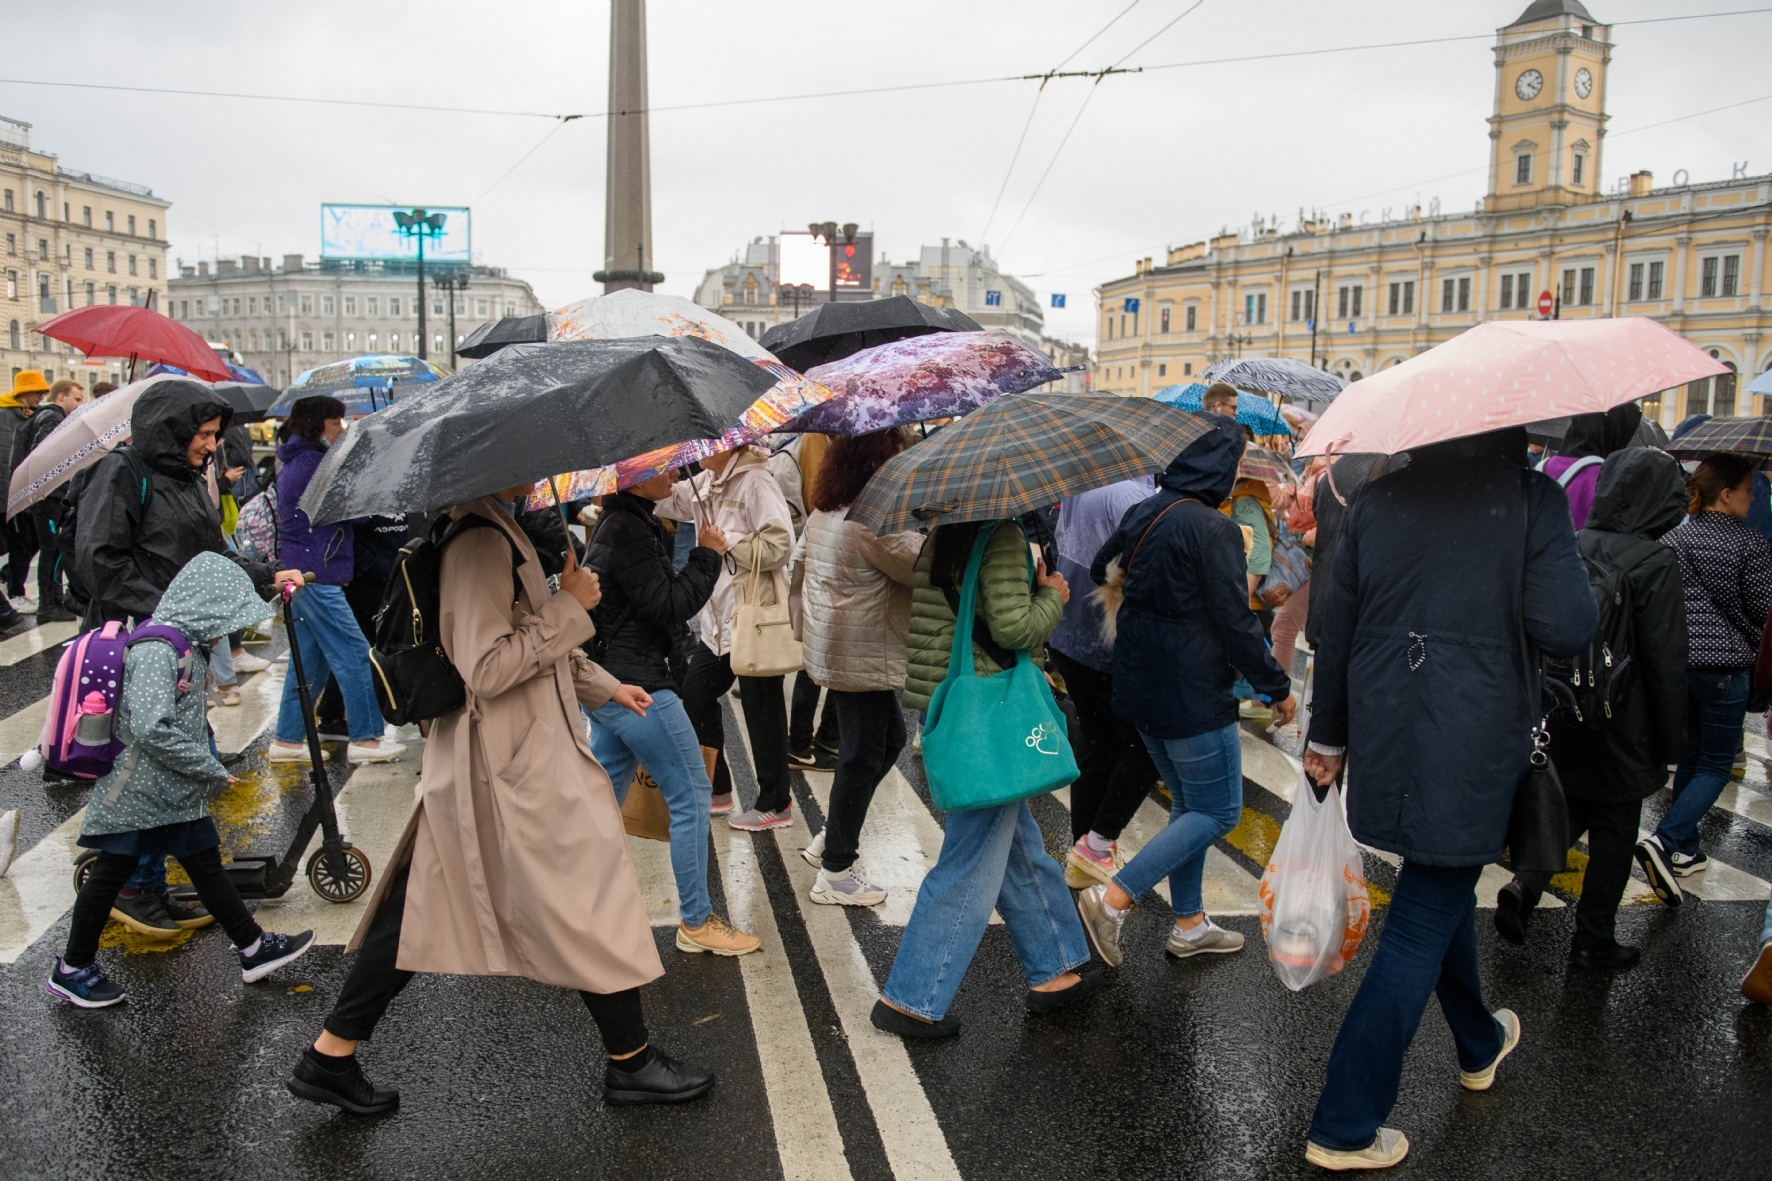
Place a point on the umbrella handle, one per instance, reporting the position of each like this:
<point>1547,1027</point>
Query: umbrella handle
<point>554,486</point>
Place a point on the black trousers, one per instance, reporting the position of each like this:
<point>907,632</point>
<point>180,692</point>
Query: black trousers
<point>803,710</point>
<point>21,546</point>
<point>375,981</point>
<point>93,906</point>
<point>871,726</point>
<point>1611,836</point>
<point>46,517</point>
<point>765,720</point>
<point>1115,772</point>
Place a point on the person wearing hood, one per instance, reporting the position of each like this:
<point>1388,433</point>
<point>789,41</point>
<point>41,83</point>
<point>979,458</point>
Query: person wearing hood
<point>331,641</point>
<point>1607,772</point>
<point>1444,571</point>
<point>1183,632</point>
<point>1115,771</point>
<point>16,407</point>
<point>155,801</point>
<point>1589,440</point>
<point>50,514</point>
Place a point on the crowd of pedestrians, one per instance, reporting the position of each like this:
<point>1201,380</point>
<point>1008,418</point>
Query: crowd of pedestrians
<point>1451,590</point>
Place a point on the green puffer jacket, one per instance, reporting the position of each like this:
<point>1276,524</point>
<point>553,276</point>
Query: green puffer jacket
<point>1018,616</point>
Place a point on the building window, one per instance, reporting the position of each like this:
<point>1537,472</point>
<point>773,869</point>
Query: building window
<point>480,310</point>
<point>437,310</point>
<point>510,309</point>
<point>153,230</point>
<point>236,307</point>
<point>1163,314</point>
<point>1523,168</point>
<point>12,329</point>
<point>351,309</point>
<point>1507,292</point>
<point>1187,368</point>
<point>437,343</point>
<point>1657,271</point>
<point>393,342</point>
<point>1191,318</point>
<point>350,340</point>
<point>88,255</point>
<point>394,306</point>
<point>6,203</point>
<point>307,342</point>
<point>153,268</point>
<point>110,222</point>
<point>326,341</point>
<point>326,306</point>
<point>132,264</point>
<point>371,306</point>
<point>135,297</point>
<point>1402,298</point>
<point>86,216</point>
<point>111,293</point>
<point>43,249</point>
<point>252,340</point>
<point>184,306</point>
<point>1707,281</point>
<point>1162,369</point>
<point>1731,284</point>
<point>1576,171</point>
<point>12,243</point>
<point>91,294</point>
<point>42,204</point>
<point>1255,309</point>
<point>373,338</point>
<point>111,261</point>
<point>1587,286</point>
<point>307,305</point>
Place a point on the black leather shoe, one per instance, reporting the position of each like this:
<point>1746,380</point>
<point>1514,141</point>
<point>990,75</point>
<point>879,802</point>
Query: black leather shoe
<point>186,914</point>
<point>1611,957</point>
<point>1045,1002</point>
<point>890,1020</point>
<point>341,1082</point>
<point>662,1080</point>
<point>1512,914</point>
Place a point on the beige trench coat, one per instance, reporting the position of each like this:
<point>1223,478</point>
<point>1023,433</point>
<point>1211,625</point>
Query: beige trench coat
<point>519,863</point>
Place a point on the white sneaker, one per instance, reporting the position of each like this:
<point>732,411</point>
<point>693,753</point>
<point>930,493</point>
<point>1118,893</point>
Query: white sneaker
<point>814,853</point>
<point>23,605</point>
<point>226,695</point>
<point>290,752</point>
<point>1388,1148</point>
<point>848,888</point>
<point>246,662</point>
<point>8,839</point>
<point>1482,1080</point>
<point>382,752</point>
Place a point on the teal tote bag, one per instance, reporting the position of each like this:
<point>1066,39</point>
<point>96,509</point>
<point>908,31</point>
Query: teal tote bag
<point>992,740</point>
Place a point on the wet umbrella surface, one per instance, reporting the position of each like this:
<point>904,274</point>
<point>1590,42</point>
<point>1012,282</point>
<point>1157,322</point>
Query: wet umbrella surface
<point>528,413</point>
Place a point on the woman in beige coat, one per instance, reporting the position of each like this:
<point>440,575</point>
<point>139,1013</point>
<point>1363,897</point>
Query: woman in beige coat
<point>514,862</point>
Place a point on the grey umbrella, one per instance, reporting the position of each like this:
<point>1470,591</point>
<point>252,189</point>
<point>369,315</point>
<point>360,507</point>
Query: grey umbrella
<point>1275,375</point>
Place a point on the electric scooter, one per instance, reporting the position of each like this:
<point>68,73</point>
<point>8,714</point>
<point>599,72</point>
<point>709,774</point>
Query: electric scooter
<point>336,871</point>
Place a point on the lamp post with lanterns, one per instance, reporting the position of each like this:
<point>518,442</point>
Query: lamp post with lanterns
<point>834,236</point>
<point>418,225</point>
<point>449,282</point>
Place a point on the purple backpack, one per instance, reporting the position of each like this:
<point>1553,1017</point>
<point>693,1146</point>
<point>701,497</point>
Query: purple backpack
<point>79,735</point>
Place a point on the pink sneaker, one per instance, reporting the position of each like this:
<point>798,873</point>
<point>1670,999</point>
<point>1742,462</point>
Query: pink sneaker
<point>756,821</point>
<point>722,804</point>
<point>1083,866</point>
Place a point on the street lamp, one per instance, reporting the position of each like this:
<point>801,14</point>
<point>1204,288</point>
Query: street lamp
<point>1237,340</point>
<point>419,225</point>
<point>450,282</point>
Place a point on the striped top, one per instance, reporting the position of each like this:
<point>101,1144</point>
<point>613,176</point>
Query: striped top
<point>1727,570</point>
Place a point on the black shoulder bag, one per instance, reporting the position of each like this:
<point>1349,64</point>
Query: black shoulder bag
<point>1538,828</point>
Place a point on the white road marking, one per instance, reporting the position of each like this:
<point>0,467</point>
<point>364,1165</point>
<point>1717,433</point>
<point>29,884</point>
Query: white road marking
<point>20,731</point>
<point>38,889</point>
<point>34,640</point>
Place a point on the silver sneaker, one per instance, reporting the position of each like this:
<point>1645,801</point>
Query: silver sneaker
<point>755,820</point>
<point>848,888</point>
<point>1103,928</point>
<point>1212,940</point>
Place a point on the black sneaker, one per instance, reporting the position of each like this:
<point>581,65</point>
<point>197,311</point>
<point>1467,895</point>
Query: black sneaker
<point>321,1078</point>
<point>1611,957</point>
<point>56,613</point>
<point>812,758</point>
<point>890,1020</point>
<point>662,1079</point>
<point>1685,865</point>
<point>87,987</point>
<point>1088,984</point>
<point>1512,913</point>
<point>829,748</point>
<point>145,914</point>
<point>273,952</point>
<point>186,914</point>
<point>1653,858</point>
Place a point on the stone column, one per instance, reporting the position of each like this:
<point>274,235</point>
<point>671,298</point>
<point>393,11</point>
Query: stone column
<point>628,253</point>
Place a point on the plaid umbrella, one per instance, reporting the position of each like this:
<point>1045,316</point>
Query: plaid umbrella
<point>1744,436</point>
<point>1276,375</point>
<point>1022,452</point>
<point>1261,464</point>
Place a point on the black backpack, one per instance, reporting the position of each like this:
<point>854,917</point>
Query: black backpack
<point>1588,689</point>
<point>414,679</point>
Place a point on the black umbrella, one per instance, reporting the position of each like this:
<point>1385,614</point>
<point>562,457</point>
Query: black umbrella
<point>530,412</point>
<point>836,330</point>
<point>489,338</point>
<point>249,400</point>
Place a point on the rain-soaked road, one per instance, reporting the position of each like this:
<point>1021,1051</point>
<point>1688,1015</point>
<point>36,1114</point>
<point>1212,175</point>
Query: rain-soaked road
<point>1180,1069</point>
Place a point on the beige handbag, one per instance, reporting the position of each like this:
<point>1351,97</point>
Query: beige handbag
<point>763,643</point>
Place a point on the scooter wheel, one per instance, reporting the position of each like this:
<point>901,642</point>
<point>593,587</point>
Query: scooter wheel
<point>83,868</point>
<point>334,889</point>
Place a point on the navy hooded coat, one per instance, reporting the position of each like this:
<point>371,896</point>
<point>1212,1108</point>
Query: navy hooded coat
<point>1185,628</point>
<point>1420,673</point>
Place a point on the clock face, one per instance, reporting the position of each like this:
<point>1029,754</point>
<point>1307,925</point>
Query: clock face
<point>1529,84</point>
<point>1584,83</point>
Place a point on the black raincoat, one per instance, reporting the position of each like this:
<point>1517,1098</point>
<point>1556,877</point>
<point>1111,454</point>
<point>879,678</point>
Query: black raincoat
<point>146,511</point>
<point>1420,672</point>
<point>646,607</point>
<point>1641,495</point>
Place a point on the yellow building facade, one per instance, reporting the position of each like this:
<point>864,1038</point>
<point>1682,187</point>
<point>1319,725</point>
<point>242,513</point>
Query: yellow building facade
<point>1356,297</point>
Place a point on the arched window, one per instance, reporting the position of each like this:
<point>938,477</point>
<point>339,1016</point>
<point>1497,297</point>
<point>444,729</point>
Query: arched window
<point>1354,376</point>
<point>42,204</point>
<point>12,335</point>
<point>1713,395</point>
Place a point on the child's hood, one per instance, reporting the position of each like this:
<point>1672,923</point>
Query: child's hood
<point>210,597</point>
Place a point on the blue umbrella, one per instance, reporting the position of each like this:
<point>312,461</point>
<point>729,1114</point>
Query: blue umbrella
<point>1759,385</point>
<point>364,384</point>
<point>1253,410</point>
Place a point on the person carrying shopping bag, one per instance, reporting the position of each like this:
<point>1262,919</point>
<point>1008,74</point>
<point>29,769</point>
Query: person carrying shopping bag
<point>991,857</point>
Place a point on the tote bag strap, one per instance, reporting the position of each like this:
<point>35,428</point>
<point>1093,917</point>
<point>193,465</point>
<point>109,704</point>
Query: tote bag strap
<point>960,655</point>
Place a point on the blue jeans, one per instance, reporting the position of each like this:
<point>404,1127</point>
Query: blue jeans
<point>1766,931</point>
<point>664,743</point>
<point>1428,945</point>
<point>1716,705</point>
<point>1204,775</point>
<point>331,642</point>
<point>990,857</point>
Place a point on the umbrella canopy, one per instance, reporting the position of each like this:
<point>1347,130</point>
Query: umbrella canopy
<point>487,339</point>
<point>1281,376</point>
<point>833,331</point>
<point>1023,452</point>
<point>1253,410</point>
<point>114,330</point>
<point>615,316</point>
<point>528,412</point>
<point>940,375</point>
<point>1744,436</point>
<point>1759,385</point>
<point>364,384</point>
<point>91,432</point>
<point>1504,374</point>
<point>1258,463</point>
<point>249,400</point>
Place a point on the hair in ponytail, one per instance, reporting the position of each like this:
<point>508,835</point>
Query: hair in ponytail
<point>1715,476</point>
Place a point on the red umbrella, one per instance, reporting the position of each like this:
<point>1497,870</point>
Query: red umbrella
<point>115,330</point>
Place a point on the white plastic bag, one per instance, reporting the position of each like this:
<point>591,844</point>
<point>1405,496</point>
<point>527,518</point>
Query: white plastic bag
<point>1314,909</point>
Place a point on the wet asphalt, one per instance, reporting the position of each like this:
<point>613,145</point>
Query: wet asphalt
<point>1179,1069</point>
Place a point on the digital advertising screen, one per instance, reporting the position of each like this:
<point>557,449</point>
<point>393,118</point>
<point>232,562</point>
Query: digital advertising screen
<point>370,232</point>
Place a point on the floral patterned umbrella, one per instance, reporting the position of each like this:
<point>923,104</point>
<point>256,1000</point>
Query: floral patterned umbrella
<point>942,375</point>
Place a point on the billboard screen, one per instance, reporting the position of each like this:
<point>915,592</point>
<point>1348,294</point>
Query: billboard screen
<point>805,259</point>
<point>852,264</point>
<point>369,231</point>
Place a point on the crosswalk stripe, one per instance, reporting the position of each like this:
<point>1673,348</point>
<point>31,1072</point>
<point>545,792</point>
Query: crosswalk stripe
<point>19,731</point>
<point>34,640</point>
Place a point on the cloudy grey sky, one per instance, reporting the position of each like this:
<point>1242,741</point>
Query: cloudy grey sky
<point>1157,158</point>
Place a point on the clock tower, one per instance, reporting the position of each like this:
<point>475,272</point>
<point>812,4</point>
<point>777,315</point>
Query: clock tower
<point>1550,97</point>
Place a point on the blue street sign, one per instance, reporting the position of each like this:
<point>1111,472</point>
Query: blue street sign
<point>1310,325</point>
<point>993,299</point>
<point>1350,327</point>
<point>1058,301</point>
<point>1130,305</point>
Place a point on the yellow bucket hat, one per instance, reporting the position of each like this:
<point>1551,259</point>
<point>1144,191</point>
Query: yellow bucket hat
<point>29,381</point>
